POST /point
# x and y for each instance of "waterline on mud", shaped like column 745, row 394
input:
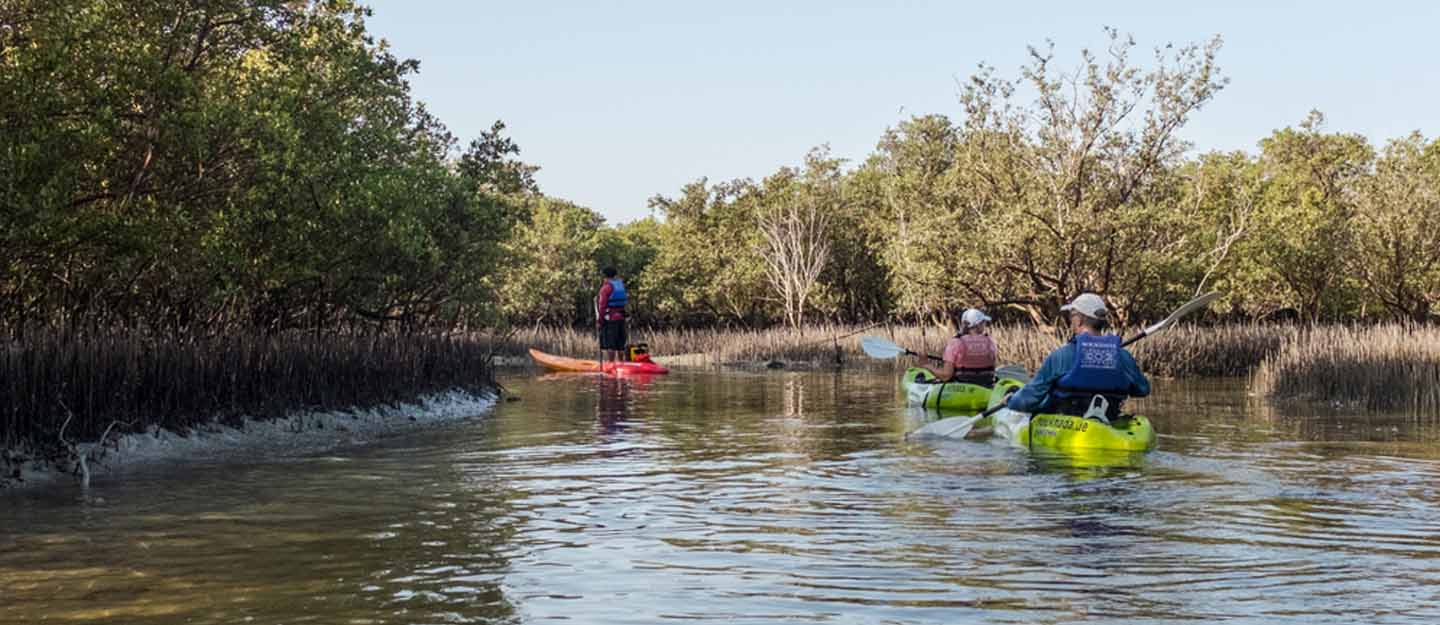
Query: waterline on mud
column 299, row 432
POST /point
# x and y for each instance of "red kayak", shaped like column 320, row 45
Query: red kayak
column 562, row 363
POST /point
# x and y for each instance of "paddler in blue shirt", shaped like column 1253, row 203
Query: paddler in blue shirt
column 1091, row 364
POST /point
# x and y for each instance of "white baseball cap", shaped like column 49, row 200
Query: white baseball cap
column 1088, row 304
column 973, row 317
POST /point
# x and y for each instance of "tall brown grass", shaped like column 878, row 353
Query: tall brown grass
column 177, row 383
column 1229, row 350
column 1210, row 351
column 1378, row 367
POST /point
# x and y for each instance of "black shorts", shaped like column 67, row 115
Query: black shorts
column 612, row 335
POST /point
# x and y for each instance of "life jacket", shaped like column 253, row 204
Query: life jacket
column 979, row 354
column 639, row 352
column 1096, row 369
column 618, row 296
column 976, row 363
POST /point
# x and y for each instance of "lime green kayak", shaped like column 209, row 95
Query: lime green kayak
column 922, row 390
column 1068, row 433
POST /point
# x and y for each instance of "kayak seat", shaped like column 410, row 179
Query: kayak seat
column 1076, row 406
column 986, row 379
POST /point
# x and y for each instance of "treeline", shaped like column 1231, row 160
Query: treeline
column 228, row 208
column 1046, row 185
column 1316, row 226
column 222, row 164
column 261, row 165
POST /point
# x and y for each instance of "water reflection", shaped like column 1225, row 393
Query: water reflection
column 326, row 539
column 757, row 498
column 614, row 396
column 1086, row 464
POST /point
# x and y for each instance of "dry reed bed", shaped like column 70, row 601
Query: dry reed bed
column 1229, row 350
column 181, row 383
column 1379, row 367
column 1211, row 351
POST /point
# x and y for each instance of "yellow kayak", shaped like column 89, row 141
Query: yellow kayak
column 922, row 389
column 1067, row 432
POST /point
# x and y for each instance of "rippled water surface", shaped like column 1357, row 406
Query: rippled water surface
column 756, row 498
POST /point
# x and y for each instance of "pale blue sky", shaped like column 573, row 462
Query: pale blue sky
column 619, row 101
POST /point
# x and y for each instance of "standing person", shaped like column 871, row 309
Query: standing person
column 1091, row 364
column 971, row 354
column 610, row 317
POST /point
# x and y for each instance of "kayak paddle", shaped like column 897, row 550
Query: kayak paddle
column 958, row 427
column 876, row 347
column 1189, row 307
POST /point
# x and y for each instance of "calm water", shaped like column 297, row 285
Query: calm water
column 765, row 498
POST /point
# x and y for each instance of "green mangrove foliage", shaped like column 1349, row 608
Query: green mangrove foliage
column 261, row 164
column 220, row 207
column 233, row 163
column 1058, row 182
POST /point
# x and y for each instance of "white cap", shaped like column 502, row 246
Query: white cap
column 1088, row 304
column 973, row 317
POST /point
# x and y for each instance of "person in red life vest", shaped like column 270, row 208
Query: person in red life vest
column 970, row 356
column 610, row 317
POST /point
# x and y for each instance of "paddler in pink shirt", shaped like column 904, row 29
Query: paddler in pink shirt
column 971, row 354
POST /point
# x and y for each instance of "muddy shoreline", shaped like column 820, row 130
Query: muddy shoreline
column 298, row 432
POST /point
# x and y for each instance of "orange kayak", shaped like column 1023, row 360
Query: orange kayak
column 562, row 363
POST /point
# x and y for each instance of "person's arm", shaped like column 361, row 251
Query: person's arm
column 943, row 373
column 1032, row 396
column 1139, row 384
column 953, row 352
column 602, row 302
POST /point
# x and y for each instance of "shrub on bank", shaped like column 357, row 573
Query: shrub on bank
column 1379, row 367
column 181, row 382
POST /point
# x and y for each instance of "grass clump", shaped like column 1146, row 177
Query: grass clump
column 1385, row 367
